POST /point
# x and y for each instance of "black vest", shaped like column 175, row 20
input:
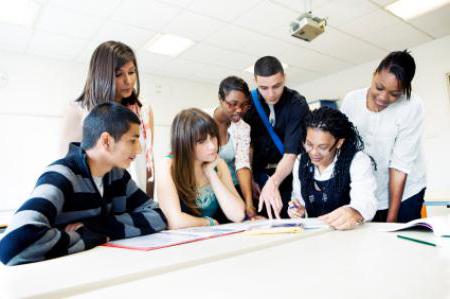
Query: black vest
column 322, row 197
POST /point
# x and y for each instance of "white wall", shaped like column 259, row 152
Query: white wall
column 32, row 100
column 433, row 63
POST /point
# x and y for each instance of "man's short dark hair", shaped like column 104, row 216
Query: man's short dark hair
column 112, row 118
column 268, row 66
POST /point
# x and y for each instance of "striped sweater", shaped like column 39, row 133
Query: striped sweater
column 66, row 193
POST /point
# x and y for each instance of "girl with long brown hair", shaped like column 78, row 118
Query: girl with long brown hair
column 194, row 185
column 113, row 76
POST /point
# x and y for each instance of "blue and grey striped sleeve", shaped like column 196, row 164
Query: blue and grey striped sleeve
column 32, row 236
column 133, row 214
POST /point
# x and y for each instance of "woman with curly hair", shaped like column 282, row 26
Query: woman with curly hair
column 334, row 180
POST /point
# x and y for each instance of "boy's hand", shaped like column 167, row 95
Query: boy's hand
column 73, row 227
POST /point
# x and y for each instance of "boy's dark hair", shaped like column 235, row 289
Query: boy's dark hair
column 233, row 83
column 107, row 117
column 268, row 66
column 401, row 64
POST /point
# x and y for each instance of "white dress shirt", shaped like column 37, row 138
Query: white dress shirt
column 393, row 138
column 362, row 184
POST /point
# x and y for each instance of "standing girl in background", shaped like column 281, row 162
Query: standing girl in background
column 194, row 185
column 234, row 99
column 334, row 179
column 113, row 76
column 390, row 119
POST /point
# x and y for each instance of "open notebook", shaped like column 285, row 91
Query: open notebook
column 169, row 238
column 440, row 225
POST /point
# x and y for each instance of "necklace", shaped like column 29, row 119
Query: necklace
column 323, row 190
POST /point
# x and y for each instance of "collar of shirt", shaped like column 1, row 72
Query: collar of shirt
column 327, row 173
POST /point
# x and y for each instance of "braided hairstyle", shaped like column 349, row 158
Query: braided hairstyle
column 338, row 125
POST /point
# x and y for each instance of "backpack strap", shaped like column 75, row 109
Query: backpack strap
column 265, row 120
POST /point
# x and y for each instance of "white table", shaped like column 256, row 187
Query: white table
column 363, row 263
column 104, row 266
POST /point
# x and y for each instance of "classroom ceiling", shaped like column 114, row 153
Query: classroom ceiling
column 229, row 35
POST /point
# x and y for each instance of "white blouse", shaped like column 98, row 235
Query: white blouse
column 393, row 138
column 362, row 184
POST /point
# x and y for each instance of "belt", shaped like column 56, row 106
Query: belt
column 271, row 166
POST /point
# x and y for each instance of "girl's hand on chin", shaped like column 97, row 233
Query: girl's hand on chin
column 209, row 167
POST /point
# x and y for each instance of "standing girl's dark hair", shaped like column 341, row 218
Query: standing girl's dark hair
column 189, row 127
column 402, row 65
column 337, row 124
column 233, row 83
column 100, row 87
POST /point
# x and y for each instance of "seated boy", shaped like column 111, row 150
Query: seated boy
column 86, row 198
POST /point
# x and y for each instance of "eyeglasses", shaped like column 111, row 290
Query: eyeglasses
column 322, row 151
column 235, row 105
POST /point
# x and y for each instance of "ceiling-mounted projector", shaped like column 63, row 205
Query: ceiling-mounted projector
column 307, row 27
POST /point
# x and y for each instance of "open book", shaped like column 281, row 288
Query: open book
column 169, row 238
column 440, row 225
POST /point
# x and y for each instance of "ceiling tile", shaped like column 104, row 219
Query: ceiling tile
column 14, row 38
column 148, row 14
column 212, row 55
column 370, row 23
column 299, row 6
column 193, row 26
column 436, row 23
column 397, row 37
column 337, row 44
column 55, row 46
column 312, row 60
column 223, row 10
column 344, row 11
column 134, row 37
column 100, row 8
column 63, row 21
column 257, row 18
column 245, row 41
column 383, row 2
column 181, row 3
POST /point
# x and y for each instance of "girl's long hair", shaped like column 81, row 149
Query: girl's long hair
column 189, row 127
column 100, row 85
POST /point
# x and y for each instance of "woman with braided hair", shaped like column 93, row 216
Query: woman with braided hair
column 334, row 180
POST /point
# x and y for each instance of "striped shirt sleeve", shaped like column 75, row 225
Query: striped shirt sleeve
column 32, row 235
column 138, row 216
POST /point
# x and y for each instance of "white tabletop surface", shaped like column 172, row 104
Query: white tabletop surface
column 104, row 266
column 363, row 263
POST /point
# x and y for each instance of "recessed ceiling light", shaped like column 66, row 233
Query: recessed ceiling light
column 168, row 44
column 408, row 9
column 252, row 67
column 19, row 12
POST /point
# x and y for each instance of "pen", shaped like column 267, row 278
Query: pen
column 416, row 240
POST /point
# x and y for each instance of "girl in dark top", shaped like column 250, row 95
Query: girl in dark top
column 334, row 180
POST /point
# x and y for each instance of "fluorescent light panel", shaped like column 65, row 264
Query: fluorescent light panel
column 168, row 44
column 19, row 12
column 408, row 9
column 252, row 67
